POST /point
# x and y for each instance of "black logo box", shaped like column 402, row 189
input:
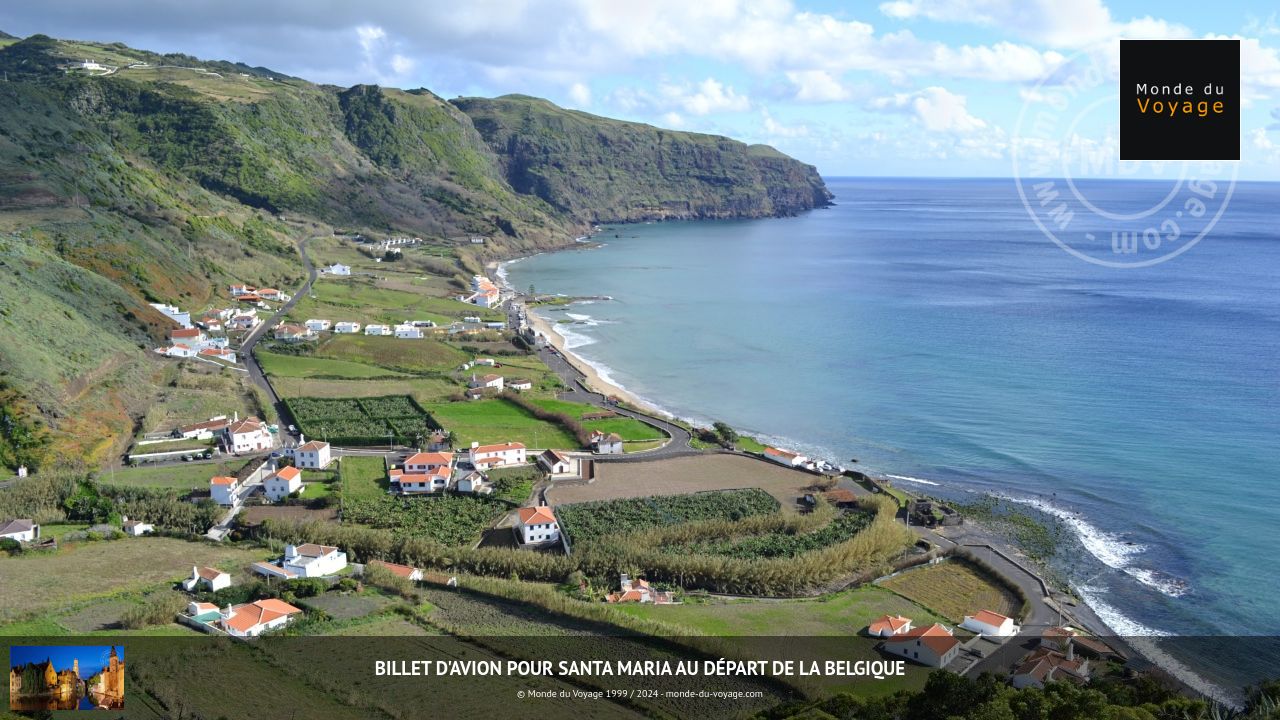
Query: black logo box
column 1185, row 65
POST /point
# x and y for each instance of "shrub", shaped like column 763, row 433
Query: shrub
column 157, row 609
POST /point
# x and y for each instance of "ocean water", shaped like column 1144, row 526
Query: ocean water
column 927, row 328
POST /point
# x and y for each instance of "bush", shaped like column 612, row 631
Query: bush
column 157, row 609
column 10, row 546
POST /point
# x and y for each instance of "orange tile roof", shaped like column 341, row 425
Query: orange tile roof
column 313, row 446
column 429, row 458
column 247, row 616
column 209, row 573
column 991, row 618
column 536, row 515
column 891, row 623
column 222, row 480
column 314, row 550
column 935, row 637
column 785, row 454
column 403, row 571
column 498, row 448
column 288, row 474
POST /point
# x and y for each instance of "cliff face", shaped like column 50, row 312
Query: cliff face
column 598, row 170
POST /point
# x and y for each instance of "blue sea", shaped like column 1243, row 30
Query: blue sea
column 929, row 329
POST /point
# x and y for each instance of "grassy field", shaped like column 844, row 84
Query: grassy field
column 366, row 301
column 182, row 476
column 677, row 476
column 630, row 429
column 495, row 421
column 953, row 589
column 194, row 392
column 306, row 367
column 386, row 626
column 421, row 356
column 424, row 390
column 363, row 477
column 51, row 583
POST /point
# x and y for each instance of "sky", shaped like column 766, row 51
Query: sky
column 93, row 658
column 893, row 87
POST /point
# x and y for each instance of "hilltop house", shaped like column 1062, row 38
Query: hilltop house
column 487, row 382
column 408, row 332
column 986, row 622
column 554, row 462
column 289, row 332
column 315, row 325
column 203, row 430
column 338, row 269
column 638, row 591
column 888, row 626
column 242, row 290
column 537, row 525
column 220, row 354
column 206, row 578
column 307, row 560
column 487, row 456
column 785, row 457
column 346, row 327
column 187, row 337
column 377, row 329
column 20, row 530
column 253, row 619
column 283, row 483
column 314, row 455
column 248, row 435
column 606, row 444
column 273, row 294
column 412, row 574
column 136, row 528
column 177, row 351
column 225, row 490
column 933, row 646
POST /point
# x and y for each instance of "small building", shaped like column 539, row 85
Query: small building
column 338, row 269
column 537, row 525
column 489, row 456
column 488, row 362
column 986, row 622
column 224, row 490
column 241, row 290
column 519, row 384
column 314, row 455
column 253, row 619
column 191, row 337
column 638, row 591
column 289, row 332
column 206, row 578
column 412, row 574
column 473, row 481
column 283, row 483
column 888, row 626
column 933, row 646
column 785, row 457
column 307, row 560
column 174, row 313
column 136, row 528
column 554, row 462
column 377, row 329
column 486, row 382
column 1045, row 665
column 346, row 327
column 24, row 530
column 178, row 351
column 248, row 435
column 272, row 294
column 317, row 325
column 425, row 462
column 408, row 332
column 222, row 354
column 606, row 443
column 415, row 483
column 203, row 430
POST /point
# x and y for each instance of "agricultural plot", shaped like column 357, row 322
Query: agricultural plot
column 447, row 519
column 340, row 606
column 413, row 356
column 675, row 476
column 953, row 589
column 495, row 421
column 363, row 478
column 423, row 389
column 306, row 367
column 780, row 543
column 584, row 522
column 362, row 421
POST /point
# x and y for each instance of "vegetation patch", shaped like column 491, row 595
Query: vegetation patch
column 953, row 589
column 447, row 519
column 495, row 421
column 363, row 421
column 584, row 522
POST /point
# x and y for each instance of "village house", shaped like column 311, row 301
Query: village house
column 314, row 455
column 188, row 337
column 224, row 490
column 1045, row 665
column 785, row 457
column 222, row 354
column 242, row 290
column 475, row 394
column 412, row 574
column 377, row 329
column 338, row 269
column 484, row 293
column 932, row 646
column 537, row 525
column 203, row 430
column 554, row 462
column 473, row 481
column 425, row 462
column 317, row 325
column 245, row 321
column 438, row 441
column 273, row 294
column 606, row 443
column 248, row 435
column 423, row 473
column 519, row 384
column 346, row 327
column 253, row 619
column 638, row 591
column 23, row 530
column 307, row 560
column 486, row 382
column 283, row 483
column 173, row 313
column 289, row 332
column 408, row 332
column 206, row 578
column 136, row 528
column 986, row 622
column 178, row 351
column 888, row 626
column 489, row 362
column 487, row 456
column 421, row 323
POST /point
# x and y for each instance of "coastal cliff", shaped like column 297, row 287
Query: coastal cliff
column 596, row 169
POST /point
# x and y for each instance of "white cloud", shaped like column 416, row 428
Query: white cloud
column 1260, row 139
column 936, row 108
column 817, row 86
column 580, row 94
column 672, row 120
column 704, row 98
column 775, row 129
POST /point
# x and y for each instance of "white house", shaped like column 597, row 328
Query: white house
column 425, row 462
column 273, row 294
column 638, row 591
column 347, row 327
column 283, row 483
column 225, row 490
column 248, row 435
column 173, row 313
column 486, row 456
column 178, row 351
column 313, row 455
column 253, row 619
column 206, row 578
column 315, row 325
column 473, row 482
column 412, row 574
column 338, row 269
column 20, row 530
column 136, row 528
column 606, row 443
column 888, row 626
column 986, row 622
column 519, row 384
column 490, row 362
column 1046, row 664
column 537, row 525
column 933, row 646
column 377, row 329
column 309, row 560
column 408, row 332
column 412, row 483
column 785, row 457
column 189, row 336
column 554, row 462
column 494, row 382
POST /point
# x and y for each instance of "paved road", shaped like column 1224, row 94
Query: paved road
column 246, row 348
